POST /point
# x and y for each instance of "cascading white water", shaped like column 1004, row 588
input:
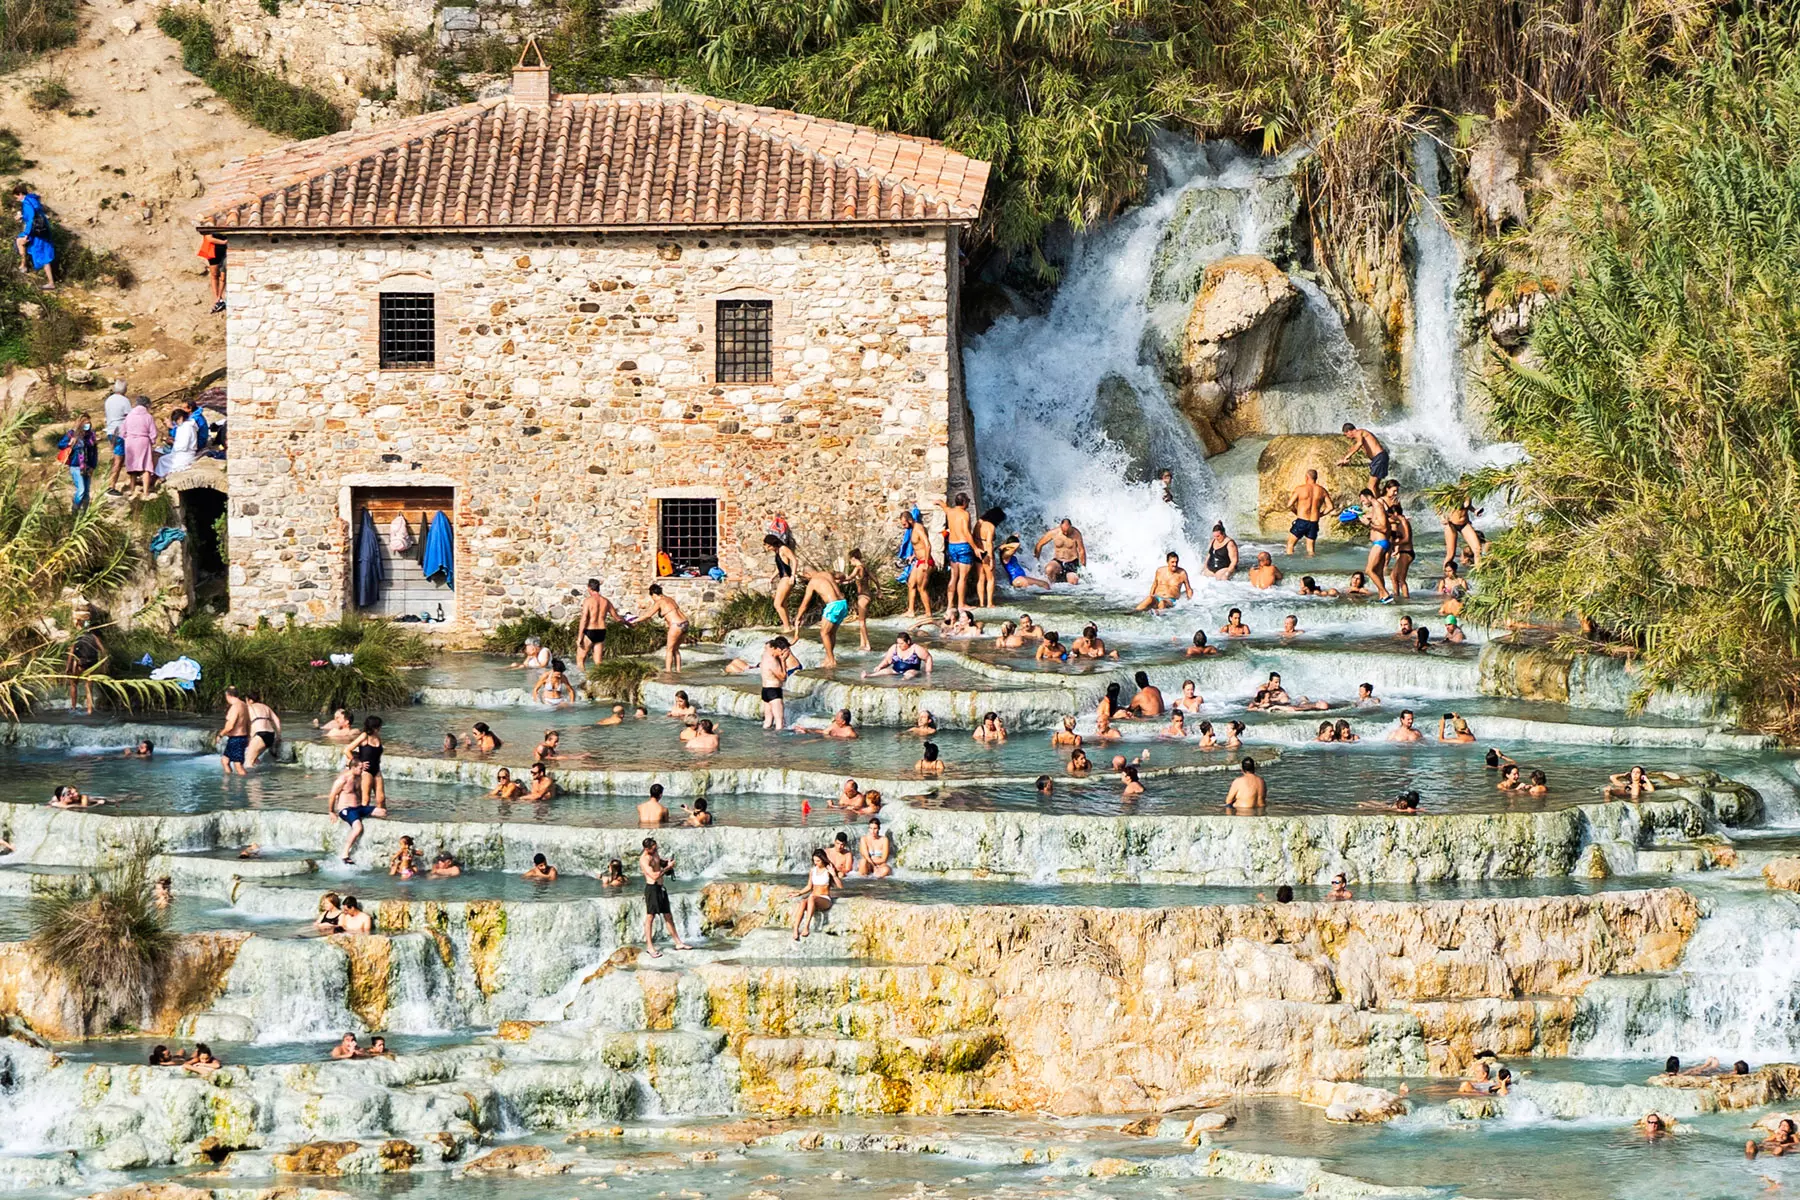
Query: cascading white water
column 1735, row 995
column 1435, row 414
column 1033, row 385
column 1074, row 409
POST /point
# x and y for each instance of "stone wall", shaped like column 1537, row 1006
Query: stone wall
column 351, row 49
column 573, row 387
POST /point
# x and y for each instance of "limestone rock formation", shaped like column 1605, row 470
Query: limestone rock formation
column 1783, row 873
column 1230, row 343
column 1120, row 412
column 1282, row 468
column 1495, row 179
column 1352, row 1103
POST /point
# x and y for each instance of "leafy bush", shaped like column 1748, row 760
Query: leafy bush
column 104, row 935
column 259, row 96
column 1064, row 98
column 509, row 636
column 621, row 677
column 1660, row 492
column 279, row 663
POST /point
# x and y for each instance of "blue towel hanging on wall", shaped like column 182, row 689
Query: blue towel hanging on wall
column 440, row 550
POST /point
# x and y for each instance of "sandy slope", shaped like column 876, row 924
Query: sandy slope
column 128, row 178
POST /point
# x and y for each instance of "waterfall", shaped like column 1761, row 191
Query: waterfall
column 1034, row 386
column 1435, row 414
column 1735, row 995
column 1075, row 408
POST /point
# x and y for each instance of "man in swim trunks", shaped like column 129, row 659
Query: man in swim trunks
column 345, row 803
column 666, row 608
column 905, row 658
column 1221, row 553
column 1309, row 502
column 1016, row 575
column 1068, row 553
column 590, row 630
column 824, row 585
column 236, row 732
column 959, row 548
column 876, row 849
column 655, row 868
column 1170, row 584
column 1362, row 441
column 777, row 663
column 1381, row 542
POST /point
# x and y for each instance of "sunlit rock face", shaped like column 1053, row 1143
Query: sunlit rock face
column 1122, row 1009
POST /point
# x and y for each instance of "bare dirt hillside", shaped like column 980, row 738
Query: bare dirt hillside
column 127, row 178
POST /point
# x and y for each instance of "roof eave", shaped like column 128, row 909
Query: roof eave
column 228, row 231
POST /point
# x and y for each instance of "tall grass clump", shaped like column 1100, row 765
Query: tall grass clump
column 289, row 666
column 260, row 96
column 29, row 28
column 1659, row 496
column 103, row 935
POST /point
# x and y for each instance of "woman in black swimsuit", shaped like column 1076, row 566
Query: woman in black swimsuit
column 781, row 584
column 366, row 749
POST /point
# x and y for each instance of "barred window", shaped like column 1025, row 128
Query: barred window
column 688, row 532
column 746, row 331
column 408, row 329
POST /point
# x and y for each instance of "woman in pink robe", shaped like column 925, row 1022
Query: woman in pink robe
column 140, row 436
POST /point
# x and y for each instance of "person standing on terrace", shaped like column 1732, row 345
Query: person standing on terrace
column 1309, row 502
column 824, row 585
column 959, row 548
column 1363, row 441
column 777, row 663
column 1068, row 553
column 235, row 731
column 655, row 868
column 781, row 583
column 987, row 533
column 590, row 627
column 666, row 608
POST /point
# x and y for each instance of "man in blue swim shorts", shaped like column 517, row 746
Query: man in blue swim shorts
column 235, row 731
column 959, row 547
column 1308, row 503
column 824, row 585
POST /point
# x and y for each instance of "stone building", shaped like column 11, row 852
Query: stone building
column 586, row 328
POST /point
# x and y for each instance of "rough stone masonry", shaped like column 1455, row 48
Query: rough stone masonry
column 574, row 387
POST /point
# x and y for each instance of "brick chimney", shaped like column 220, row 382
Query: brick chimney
column 531, row 77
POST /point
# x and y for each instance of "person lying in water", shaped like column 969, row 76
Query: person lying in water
column 1272, row 697
column 1783, row 1139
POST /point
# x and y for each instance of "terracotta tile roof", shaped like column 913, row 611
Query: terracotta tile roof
column 632, row 159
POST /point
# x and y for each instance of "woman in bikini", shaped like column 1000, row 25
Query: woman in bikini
column 1234, row 624
column 1459, row 523
column 1401, row 525
column 815, row 897
column 1190, row 700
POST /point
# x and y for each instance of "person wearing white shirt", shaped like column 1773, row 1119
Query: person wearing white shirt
column 118, row 407
column 186, row 447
